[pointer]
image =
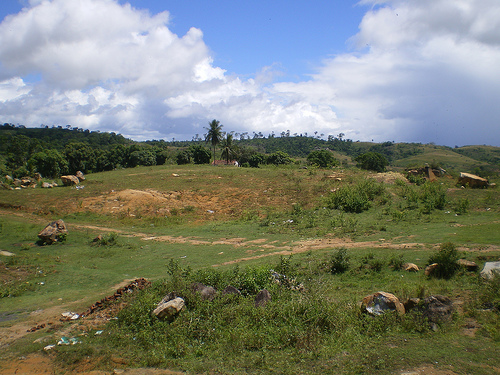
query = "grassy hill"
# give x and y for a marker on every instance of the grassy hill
(177, 225)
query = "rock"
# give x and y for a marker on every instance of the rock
(489, 269)
(52, 232)
(46, 185)
(38, 176)
(169, 309)
(471, 180)
(469, 265)
(25, 181)
(17, 182)
(80, 176)
(430, 269)
(437, 309)
(410, 267)
(411, 303)
(5, 186)
(231, 290)
(382, 302)
(206, 292)
(70, 180)
(262, 298)
(9, 178)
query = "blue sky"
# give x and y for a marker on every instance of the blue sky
(382, 70)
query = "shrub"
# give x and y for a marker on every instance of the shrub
(201, 155)
(355, 198)
(322, 158)
(279, 158)
(340, 261)
(433, 197)
(446, 258)
(372, 161)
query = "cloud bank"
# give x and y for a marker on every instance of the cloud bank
(421, 71)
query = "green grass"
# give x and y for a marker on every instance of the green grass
(320, 331)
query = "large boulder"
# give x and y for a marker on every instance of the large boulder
(489, 269)
(70, 180)
(231, 290)
(53, 232)
(206, 292)
(471, 180)
(382, 302)
(169, 308)
(437, 309)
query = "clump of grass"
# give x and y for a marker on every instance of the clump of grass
(340, 261)
(105, 240)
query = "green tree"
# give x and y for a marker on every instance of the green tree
(322, 158)
(214, 134)
(200, 154)
(372, 161)
(279, 158)
(183, 157)
(49, 163)
(80, 157)
(227, 147)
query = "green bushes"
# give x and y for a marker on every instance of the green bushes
(446, 259)
(322, 158)
(355, 198)
(372, 161)
(340, 261)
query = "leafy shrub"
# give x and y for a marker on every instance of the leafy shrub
(340, 261)
(415, 179)
(396, 262)
(183, 157)
(279, 158)
(446, 258)
(201, 155)
(322, 158)
(372, 161)
(462, 206)
(355, 198)
(433, 197)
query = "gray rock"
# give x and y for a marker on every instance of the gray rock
(262, 298)
(231, 290)
(489, 269)
(437, 309)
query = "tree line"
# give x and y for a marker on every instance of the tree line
(54, 151)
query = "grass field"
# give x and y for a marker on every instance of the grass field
(176, 225)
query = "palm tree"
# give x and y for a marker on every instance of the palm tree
(214, 134)
(227, 147)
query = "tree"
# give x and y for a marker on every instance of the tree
(200, 154)
(214, 134)
(49, 163)
(227, 147)
(279, 158)
(322, 158)
(372, 161)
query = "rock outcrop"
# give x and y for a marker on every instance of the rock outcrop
(53, 232)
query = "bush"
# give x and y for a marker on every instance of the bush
(355, 198)
(372, 161)
(279, 158)
(201, 155)
(322, 158)
(446, 258)
(340, 261)
(433, 197)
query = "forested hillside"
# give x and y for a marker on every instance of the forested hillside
(54, 151)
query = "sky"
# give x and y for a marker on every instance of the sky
(375, 70)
